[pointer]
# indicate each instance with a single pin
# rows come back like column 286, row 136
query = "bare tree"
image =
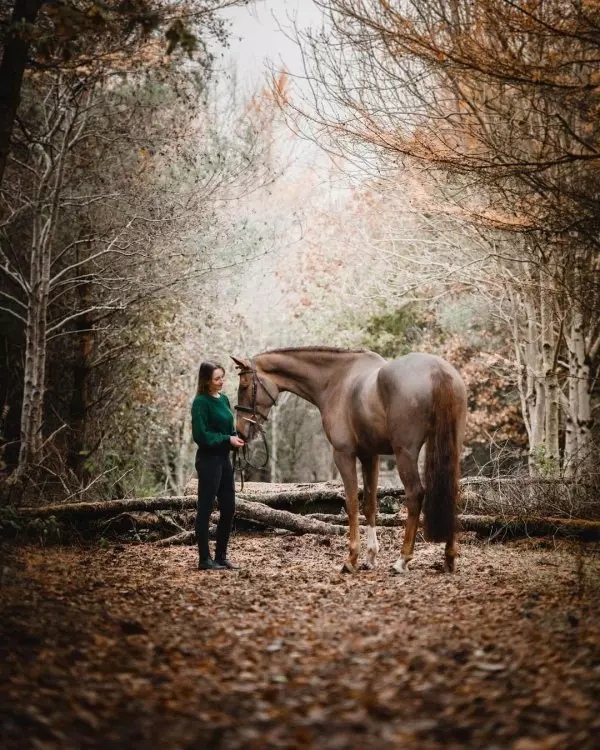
column 496, row 102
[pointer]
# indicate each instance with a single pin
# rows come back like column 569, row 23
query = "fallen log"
column 277, row 519
column 494, row 526
column 77, row 511
column 306, row 494
column 509, row 528
column 504, row 510
column 283, row 519
column 383, row 519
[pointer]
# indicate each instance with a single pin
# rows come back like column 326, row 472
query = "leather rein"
column 253, row 419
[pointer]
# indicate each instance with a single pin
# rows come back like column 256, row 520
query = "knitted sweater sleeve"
column 234, row 431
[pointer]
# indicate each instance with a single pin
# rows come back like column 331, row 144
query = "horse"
column 371, row 407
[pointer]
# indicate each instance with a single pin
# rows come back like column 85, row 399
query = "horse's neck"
column 306, row 373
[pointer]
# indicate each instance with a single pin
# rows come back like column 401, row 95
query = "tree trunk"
column 551, row 387
column 46, row 214
column 535, row 397
column 80, row 397
column 571, row 409
column 12, row 68
column 583, row 413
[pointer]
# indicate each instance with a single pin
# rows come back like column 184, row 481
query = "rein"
column 253, row 419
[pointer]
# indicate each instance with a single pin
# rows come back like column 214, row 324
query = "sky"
column 261, row 37
column 262, row 42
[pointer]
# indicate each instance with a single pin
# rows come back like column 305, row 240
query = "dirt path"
column 133, row 647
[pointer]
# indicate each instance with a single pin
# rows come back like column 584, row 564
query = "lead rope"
column 237, row 466
column 246, row 461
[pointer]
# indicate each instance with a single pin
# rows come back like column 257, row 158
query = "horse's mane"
column 331, row 349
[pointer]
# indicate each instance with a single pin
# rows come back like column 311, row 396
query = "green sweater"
column 212, row 421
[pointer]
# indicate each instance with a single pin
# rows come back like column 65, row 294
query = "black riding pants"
column 215, row 479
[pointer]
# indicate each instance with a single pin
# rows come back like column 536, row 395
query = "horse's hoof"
column 347, row 567
column 449, row 565
column 400, row 567
column 367, row 566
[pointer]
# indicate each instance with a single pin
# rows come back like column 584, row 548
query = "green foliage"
column 13, row 525
column 396, row 332
column 545, row 465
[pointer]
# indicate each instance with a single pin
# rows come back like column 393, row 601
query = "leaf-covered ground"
column 131, row 646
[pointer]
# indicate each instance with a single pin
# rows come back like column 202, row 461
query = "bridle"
column 255, row 413
column 253, row 410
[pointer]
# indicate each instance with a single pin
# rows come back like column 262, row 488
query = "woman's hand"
column 236, row 441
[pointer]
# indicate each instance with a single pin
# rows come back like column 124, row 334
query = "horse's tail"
column 442, row 471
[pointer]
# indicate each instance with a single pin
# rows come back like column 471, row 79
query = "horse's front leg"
column 370, row 470
column 346, row 464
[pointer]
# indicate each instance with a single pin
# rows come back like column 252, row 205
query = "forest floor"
column 130, row 646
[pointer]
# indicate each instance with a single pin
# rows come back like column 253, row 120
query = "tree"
column 124, row 207
column 77, row 34
column 496, row 102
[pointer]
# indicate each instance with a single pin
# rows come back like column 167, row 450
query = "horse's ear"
column 241, row 364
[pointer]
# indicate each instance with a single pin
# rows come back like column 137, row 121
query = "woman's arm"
column 233, row 430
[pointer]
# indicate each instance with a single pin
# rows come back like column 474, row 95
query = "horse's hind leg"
column 409, row 474
column 346, row 465
column 370, row 470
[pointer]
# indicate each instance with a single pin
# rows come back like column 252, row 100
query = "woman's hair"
column 205, row 374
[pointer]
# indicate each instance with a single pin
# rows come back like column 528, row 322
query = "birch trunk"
column 535, row 397
column 52, row 160
column 583, row 412
column 571, row 411
column 180, row 468
column 524, row 377
column 551, row 386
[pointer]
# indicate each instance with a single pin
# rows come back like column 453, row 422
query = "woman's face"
column 216, row 382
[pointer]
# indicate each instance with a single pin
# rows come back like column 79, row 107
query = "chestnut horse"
column 370, row 407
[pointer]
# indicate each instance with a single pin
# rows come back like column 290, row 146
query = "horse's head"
column 256, row 395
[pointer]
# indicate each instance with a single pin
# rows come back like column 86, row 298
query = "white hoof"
column 400, row 566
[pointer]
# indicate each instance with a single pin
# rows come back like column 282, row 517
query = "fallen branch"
column 186, row 537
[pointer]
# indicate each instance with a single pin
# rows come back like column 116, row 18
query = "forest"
column 423, row 176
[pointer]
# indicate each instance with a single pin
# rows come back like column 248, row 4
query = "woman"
column 214, row 433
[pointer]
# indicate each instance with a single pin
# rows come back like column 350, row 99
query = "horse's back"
column 407, row 387
column 412, row 375
column 381, row 405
